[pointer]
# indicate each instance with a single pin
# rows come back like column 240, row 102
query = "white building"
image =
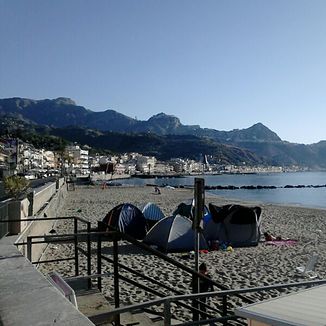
column 145, row 164
column 78, row 158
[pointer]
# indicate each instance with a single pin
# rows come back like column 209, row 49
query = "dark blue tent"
column 127, row 219
column 236, row 225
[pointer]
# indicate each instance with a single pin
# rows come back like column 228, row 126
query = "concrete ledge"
column 43, row 227
column 27, row 297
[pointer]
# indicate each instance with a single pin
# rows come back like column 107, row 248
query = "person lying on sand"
column 270, row 237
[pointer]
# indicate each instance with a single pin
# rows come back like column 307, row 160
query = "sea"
column 308, row 196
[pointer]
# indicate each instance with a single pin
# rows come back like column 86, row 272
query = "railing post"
column 29, row 249
column 225, row 308
column 167, row 313
column 116, row 276
column 99, row 261
column 76, row 247
column 89, row 254
column 30, row 197
column 195, row 305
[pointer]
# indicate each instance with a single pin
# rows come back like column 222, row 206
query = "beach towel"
column 288, row 242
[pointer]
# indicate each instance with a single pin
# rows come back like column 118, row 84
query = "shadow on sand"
column 124, row 249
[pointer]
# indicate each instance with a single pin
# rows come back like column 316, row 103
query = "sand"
column 244, row 267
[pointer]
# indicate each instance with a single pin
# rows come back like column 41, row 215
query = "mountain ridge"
column 63, row 112
column 258, row 143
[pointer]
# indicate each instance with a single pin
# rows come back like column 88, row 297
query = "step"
column 92, row 302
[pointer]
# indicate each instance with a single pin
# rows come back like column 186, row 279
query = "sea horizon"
column 306, row 196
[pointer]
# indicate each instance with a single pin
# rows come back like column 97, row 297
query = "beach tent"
column 235, row 224
column 187, row 209
column 128, row 219
column 211, row 229
column 152, row 214
column 174, row 234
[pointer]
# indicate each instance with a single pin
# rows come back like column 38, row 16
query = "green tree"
column 15, row 186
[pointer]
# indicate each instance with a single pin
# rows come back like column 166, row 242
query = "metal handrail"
column 169, row 299
column 151, row 290
column 165, row 300
column 45, row 219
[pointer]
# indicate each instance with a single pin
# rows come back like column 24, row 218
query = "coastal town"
column 21, row 158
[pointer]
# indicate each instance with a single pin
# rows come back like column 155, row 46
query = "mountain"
column 163, row 147
column 256, row 143
column 63, row 112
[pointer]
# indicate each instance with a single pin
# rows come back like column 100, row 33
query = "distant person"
column 204, row 286
column 157, row 190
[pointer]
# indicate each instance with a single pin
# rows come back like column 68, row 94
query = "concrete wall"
column 42, row 196
column 61, row 182
column 18, row 209
column 50, row 209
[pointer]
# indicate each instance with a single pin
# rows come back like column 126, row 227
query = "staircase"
column 91, row 302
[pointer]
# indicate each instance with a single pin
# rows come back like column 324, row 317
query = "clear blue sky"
column 222, row 64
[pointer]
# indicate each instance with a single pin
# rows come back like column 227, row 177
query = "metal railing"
column 167, row 301
column 87, row 235
column 75, row 238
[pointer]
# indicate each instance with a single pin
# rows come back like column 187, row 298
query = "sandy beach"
column 244, row 267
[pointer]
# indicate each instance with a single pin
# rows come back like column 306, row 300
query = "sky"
column 222, row 64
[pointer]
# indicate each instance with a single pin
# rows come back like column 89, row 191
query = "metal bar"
column 81, row 250
column 199, row 209
column 58, row 241
column 81, row 277
column 138, row 306
column 76, row 247
column 38, row 219
column 81, row 219
column 99, row 261
column 225, row 308
column 29, row 249
column 116, row 277
column 159, row 294
column 130, row 270
column 52, row 260
column 175, row 263
column 89, row 254
column 68, row 235
column 159, row 301
column 167, row 313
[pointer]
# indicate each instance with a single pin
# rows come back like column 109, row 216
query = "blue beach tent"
column 127, row 219
column 152, row 214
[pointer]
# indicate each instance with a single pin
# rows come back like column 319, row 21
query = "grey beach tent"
column 152, row 214
column 127, row 219
column 236, row 225
column 174, row 234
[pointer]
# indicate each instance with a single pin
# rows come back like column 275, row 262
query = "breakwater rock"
column 251, row 187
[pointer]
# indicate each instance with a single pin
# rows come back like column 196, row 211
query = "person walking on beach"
column 204, row 286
